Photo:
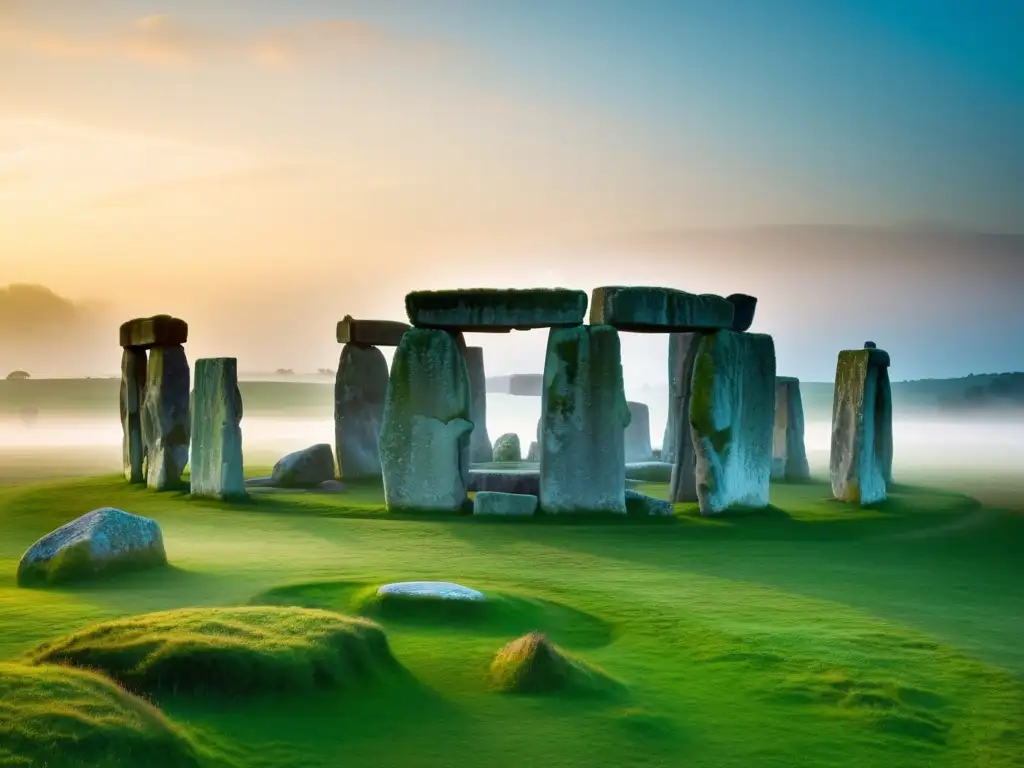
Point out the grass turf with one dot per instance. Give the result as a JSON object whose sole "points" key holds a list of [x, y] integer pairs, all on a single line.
{"points": [[812, 633]]}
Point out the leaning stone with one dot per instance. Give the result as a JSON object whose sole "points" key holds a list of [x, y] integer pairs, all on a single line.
{"points": [[638, 433], [659, 310], [424, 438], [156, 331], [504, 504], [304, 469], [166, 421], [507, 448], [483, 310], [732, 411], [641, 504], [526, 384], [102, 541], [859, 410], [444, 590], [525, 481], [370, 333], [533, 452], [360, 389], [789, 454], [480, 450], [133, 391], [681, 451], [745, 306], [215, 463], [584, 413]]}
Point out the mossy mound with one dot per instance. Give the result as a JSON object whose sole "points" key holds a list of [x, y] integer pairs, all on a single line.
{"points": [[55, 716], [533, 664], [228, 650]]}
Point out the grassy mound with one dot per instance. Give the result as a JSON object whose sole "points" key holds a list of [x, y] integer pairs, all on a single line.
{"points": [[532, 664], [55, 716], [227, 650]]}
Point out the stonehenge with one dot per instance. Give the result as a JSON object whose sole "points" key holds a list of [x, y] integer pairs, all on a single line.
{"points": [[678, 446], [480, 449], [789, 454], [215, 454], [518, 384], [638, 433]]}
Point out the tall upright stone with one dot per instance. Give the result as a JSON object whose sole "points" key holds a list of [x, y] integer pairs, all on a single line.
{"points": [[638, 433], [360, 391], [480, 449], [215, 453], [133, 389], [584, 415], [426, 424], [789, 453], [165, 417], [682, 355], [732, 414], [861, 427]]}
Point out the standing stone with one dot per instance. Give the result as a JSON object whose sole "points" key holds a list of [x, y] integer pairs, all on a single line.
{"points": [[165, 417], [480, 450], [133, 390], [861, 442], [426, 424], [360, 389], [732, 414], [215, 461], [584, 415], [507, 448], [638, 433], [789, 454], [682, 456]]}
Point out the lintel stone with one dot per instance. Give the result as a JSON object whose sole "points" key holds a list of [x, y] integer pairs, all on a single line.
{"points": [[156, 331], [371, 333], [494, 310], [644, 309]]}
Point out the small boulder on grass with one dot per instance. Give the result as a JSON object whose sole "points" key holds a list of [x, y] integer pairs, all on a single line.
{"points": [[100, 542], [507, 448], [304, 469], [533, 664]]}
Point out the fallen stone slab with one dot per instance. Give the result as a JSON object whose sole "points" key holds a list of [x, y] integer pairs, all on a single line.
{"points": [[438, 590], [304, 469], [156, 331], [504, 504], [360, 391], [745, 306], [789, 454], [638, 433], [519, 481], [641, 504], [103, 541], [133, 391], [732, 413], [642, 309], [494, 310], [860, 408], [266, 485], [166, 417], [215, 460], [507, 448], [371, 333], [480, 449]]}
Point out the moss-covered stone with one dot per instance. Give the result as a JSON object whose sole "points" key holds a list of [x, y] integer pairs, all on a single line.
{"points": [[480, 449], [166, 420], [532, 664], [789, 454], [659, 310], [360, 391], [496, 310], [504, 504], [215, 455], [861, 428], [133, 391]]}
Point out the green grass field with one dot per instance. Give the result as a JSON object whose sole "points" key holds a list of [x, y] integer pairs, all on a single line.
{"points": [[809, 634]]}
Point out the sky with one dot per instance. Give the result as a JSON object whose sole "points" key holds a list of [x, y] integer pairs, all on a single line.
{"points": [[262, 169]]}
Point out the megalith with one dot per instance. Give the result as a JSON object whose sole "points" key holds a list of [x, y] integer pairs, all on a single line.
{"points": [[215, 455], [638, 433], [646, 309], [732, 412], [679, 436], [480, 449], [745, 307], [861, 427], [789, 453], [360, 390], [165, 417], [584, 416], [133, 389], [426, 424]]}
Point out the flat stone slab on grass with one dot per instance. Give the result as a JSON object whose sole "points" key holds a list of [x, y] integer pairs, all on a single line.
{"points": [[266, 485], [494, 310], [304, 469], [443, 590], [371, 333], [156, 331], [524, 481], [659, 310], [649, 471], [504, 504]]}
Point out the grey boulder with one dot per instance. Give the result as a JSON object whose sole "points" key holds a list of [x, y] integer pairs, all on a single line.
{"points": [[304, 469]]}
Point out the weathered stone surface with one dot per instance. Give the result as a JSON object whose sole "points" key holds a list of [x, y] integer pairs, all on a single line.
{"points": [[641, 504], [443, 590], [679, 449], [870, 345], [859, 409], [885, 424], [480, 449], [504, 504], [638, 433], [304, 469], [789, 454], [156, 331], [424, 439], [658, 310], [732, 413], [525, 481], [507, 448], [879, 358], [526, 384], [533, 452], [584, 414], [745, 306], [102, 541], [360, 389], [484, 310], [371, 333], [133, 390], [215, 460], [649, 471], [166, 421]]}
